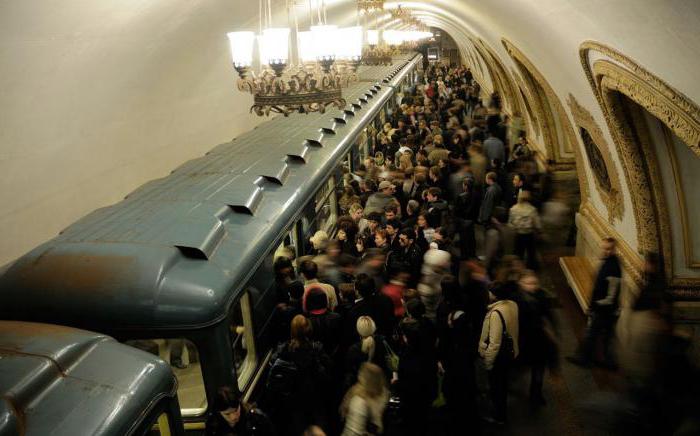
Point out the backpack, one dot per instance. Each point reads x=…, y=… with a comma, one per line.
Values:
x=506, y=353
x=282, y=378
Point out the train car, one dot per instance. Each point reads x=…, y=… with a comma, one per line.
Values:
x=63, y=381
x=183, y=265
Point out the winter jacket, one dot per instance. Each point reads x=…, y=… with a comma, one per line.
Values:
x=492, y=331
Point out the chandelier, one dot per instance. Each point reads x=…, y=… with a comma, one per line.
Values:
x=326, y=59
x=369, y=6
x=374, y=54
x=400, y=13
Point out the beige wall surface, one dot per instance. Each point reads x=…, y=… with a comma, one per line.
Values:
x=101, y=96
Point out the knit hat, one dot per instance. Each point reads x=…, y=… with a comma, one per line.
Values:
x=316, y=301
x=365, y=326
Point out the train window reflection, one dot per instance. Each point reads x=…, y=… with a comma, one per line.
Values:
x=326, y=207
x=243, y=341
x=183, y=357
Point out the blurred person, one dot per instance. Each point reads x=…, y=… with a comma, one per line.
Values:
x=309, y=271
x=370, y=348
x=416, y=381
x=466, y=211
x=364, y=403
x=492, y=199
x=537, y=333
x=297, y=381
x=395, y=290
x=379, y=200
x=285, y=312
x=603, y=309
x=326, y=326
x=436, y=263
x=232, y=417
x=525, y=220
x=370, y=303
x=456, y=357
x=498, y=347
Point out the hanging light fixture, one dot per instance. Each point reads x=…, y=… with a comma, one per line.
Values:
x=365, y=7
x=308, y=83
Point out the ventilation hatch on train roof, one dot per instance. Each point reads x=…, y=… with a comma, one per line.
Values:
x=273, y=169
x=197, y=232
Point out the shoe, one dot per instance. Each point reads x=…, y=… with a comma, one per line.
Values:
x=178, y=364
x=492, y=420
x=578, y=361
x=610, y=366
x=538, y=400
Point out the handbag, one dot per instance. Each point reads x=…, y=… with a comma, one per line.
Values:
x=391, y=358
x=506, y=353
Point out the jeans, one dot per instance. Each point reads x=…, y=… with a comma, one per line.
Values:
x=525, y=245
x=498, y=386
x=601, y=325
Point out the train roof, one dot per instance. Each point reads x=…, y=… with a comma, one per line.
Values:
x=62, y=381
x=174, y=253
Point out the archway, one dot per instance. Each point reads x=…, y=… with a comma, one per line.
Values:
x=557, y=133
x=656, y=131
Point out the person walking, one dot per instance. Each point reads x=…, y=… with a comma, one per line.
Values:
x=525, y=220
x=603, y=310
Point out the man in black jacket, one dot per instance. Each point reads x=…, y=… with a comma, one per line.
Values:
x=603, y=309
x=437, y=208
x=370, y=303
x=408, y=258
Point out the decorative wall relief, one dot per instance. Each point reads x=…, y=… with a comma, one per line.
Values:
x=547, y=106
x=598, y=157
x=616, y=84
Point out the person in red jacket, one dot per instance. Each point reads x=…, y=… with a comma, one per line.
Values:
x=395, y=289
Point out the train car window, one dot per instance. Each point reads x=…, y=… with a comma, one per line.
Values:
x=362, y=146
x=183, y=357
x=326, y=207
x=243, y=341
x=162, y=426
x=288, y=246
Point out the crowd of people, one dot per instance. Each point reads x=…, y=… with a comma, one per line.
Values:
x=417, y=291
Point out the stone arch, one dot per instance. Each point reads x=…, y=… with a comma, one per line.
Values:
x=558, y=133
x=625, y=89
x=599, y=158
x=502, y=80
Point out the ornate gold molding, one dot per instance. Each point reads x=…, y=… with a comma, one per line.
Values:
x=551, y=103
x=523, y=93
x=612, y=195
x=499, y=75
x=680, y=113
x=613, y=83
x=690, y=260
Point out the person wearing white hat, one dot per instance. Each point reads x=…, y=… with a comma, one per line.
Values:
x=436, y=263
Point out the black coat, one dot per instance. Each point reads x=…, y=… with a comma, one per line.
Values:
x=327, y=329
x=417, y=385
x=379, y=307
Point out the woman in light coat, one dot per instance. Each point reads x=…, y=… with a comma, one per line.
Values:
x=364, y=403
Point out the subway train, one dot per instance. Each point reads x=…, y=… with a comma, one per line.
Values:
x=183, y=266
x=58, y=380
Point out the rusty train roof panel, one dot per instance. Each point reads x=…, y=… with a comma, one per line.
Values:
x=63, y=381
